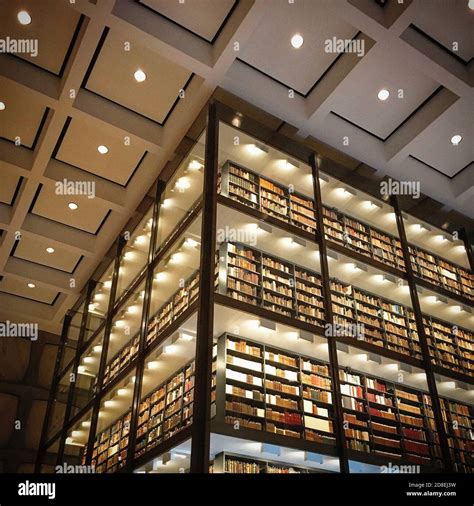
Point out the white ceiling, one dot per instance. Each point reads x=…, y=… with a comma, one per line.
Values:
x=79, y=93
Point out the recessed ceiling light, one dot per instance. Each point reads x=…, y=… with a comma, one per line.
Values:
x=139, y=76
x=73, y=206
x=471, y=4
x=195, y=165
x=50, y=250
x=297, y=40
x=183, y=183
x=103, y=149
x=383, y=94
x=24, y=18
x=31, y=285
x=456, y=139
x=2, y=106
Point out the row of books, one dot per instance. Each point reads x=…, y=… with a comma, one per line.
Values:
x=279, y=392
x=173, y=308
x=257, y=278
x=166, y=410
x=109, y=453
x=269, y=197
x=279, y=201
x=388, y=419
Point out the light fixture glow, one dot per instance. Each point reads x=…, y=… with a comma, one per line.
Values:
x=50, y=250
x=139, y=76
x=24, y=18
x=160, y=276
x=141, y=239
x=195, y=165
x=297, y=40
x=107, y=284
x=154, y=364
x=456, y=139
x=103, y=150
x=183, y=183
x=91, y=306
x=31, y=285
x=73, y=206
x=383, y=94
x=257, y=149
x=191, y=243
x=186, y=337
x=2, y=106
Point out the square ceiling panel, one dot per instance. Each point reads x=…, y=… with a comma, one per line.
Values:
x=20, y=288
x=433, y=146
x=204, y=18
x=449, y=24
x=23, y=115
x=269, y=48
x=112, y=77
x=356, y=99
x=79, y=147
x=9, y=187
x=34, y=249
x=88, y=217
x=53, y=24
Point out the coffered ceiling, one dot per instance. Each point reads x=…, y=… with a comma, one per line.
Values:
x=79, y=93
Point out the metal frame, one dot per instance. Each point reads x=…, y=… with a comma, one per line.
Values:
x=201, y=427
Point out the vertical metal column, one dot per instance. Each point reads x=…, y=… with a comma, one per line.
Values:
x=430, y=377
x=105, y=347
x=137, y=387
x=333, y=360
x=75, y=366
x=52, y=391
x=205, y=324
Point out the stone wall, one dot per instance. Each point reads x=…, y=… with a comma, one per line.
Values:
x=26, y=371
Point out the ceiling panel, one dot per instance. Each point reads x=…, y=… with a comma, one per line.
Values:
x=450, y=23
x=270, y=51
x=356, y=98
x=155, y=96
x=23, y=113
x=8, y=187
x=53, y=25
x=88, y=217
x=21, y=288
x=79, y=147
x=202, y=17
x=33, y=249
x=433, y=146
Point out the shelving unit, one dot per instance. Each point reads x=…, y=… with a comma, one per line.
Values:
x=270, y=390
x=237, y=464
x=267, y=196
x=385, y=322
x=441, y=273
x=254, y=277
x=387, y=419
x=173, y=308
x=166, y=411
x=110, y=446
x=121, y=360
x=459, y=422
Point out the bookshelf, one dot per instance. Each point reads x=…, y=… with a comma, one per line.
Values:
x=255, y=277
x=122, y=358
x=173, y=308
x=387, y=419
x=238, y=464
x=441, y=273
x=459, y=423
x=110, y=446
x=385, y=322
x=270, y=390
x=166, y=410
x=267, y=196
x=362, y=238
